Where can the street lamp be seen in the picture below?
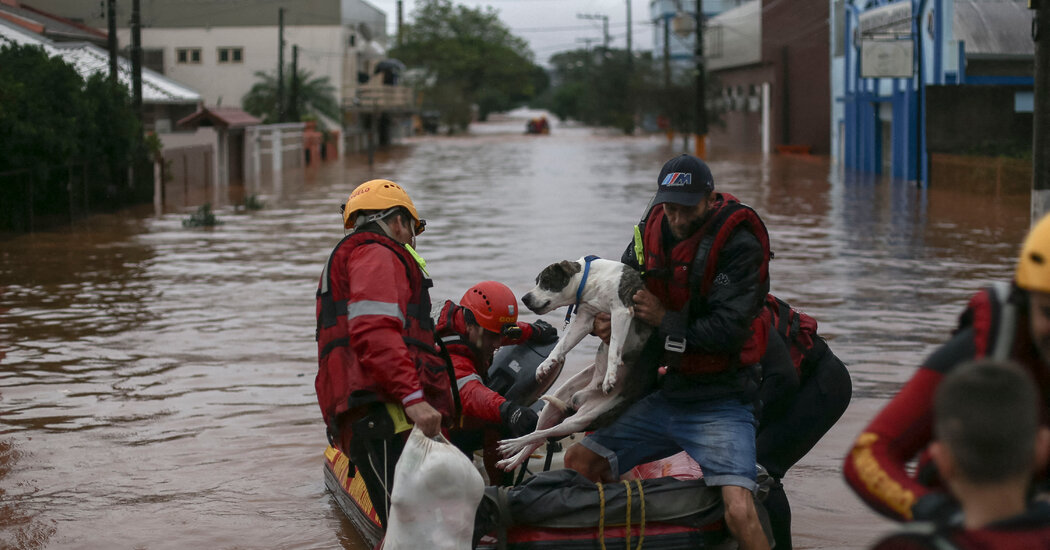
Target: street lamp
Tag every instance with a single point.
(684, 26)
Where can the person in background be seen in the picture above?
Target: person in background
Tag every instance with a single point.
(1003, 321)
(377, 358)
(987, 444)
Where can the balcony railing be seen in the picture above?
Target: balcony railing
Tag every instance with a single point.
(383, 97)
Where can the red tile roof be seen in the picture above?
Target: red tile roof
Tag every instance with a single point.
(223, 117)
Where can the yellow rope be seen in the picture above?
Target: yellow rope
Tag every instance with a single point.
(641, 523)
(627, 484)
(601, 517)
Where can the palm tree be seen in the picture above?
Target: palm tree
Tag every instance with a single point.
(313, 94)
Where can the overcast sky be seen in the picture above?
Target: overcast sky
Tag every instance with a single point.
(551, 26)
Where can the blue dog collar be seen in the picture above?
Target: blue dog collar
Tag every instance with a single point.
(579, 290)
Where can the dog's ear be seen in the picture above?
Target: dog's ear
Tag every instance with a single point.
(571, 268)
(555, 277)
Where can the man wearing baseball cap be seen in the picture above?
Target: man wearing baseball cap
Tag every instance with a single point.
(704, 257)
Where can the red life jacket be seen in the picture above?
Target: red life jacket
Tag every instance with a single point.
(1001, 331)
(692, 264)
(341, 383)
(798, 329)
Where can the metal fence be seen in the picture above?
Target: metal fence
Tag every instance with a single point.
(42, 196)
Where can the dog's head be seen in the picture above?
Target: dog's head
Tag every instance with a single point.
(555, 287)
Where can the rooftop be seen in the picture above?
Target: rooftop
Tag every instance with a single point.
(89, 59)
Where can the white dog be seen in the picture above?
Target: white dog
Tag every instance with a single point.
(599, 392)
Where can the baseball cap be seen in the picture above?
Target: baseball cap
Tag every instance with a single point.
(685, 180)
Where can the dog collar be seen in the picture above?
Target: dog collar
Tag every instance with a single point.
(579, 290)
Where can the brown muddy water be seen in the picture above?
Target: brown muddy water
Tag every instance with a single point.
(156, 382)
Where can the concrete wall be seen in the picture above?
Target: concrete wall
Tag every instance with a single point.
(795, 39)
(967, 119)
(199, 13)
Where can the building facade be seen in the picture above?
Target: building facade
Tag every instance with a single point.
(770, 61)
(217, 47)
(916, 77)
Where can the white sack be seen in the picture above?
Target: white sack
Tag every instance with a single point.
(436, 494)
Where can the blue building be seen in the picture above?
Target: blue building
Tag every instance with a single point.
(912, 77)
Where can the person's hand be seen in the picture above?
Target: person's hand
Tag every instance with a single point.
(648, 308)
(543, 333)
(602, 326)
(426, 417)
(517, 419)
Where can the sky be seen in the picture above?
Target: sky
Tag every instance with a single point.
(551, 26)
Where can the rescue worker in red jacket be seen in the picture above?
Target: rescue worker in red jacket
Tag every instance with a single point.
(987, 445)
(377, 358)
(1001, 322)
(485, 319)
(704, 257)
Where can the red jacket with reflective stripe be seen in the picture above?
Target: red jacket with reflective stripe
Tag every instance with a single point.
(875, 467)
(480, 404)
(380, 345)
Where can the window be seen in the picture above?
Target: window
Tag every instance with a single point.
(231, 55)
(188, 55)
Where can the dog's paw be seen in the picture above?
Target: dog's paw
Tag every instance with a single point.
(545, 369)
(609, 383)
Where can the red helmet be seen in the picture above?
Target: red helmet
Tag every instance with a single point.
(492, 304)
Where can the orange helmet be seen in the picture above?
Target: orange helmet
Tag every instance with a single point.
(493, 305)
(379, 195)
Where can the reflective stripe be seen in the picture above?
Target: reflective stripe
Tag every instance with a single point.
(463, 381)
(419, 259)
(418, 394)
(639, 248)
(372, 307)
(1004, 338)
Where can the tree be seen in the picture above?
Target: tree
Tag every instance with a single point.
(53, 125)
(584, 78)
(469, 58)
(313, 94)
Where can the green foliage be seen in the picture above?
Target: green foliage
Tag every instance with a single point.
(251, 202)
(317, 94)
(55, 129)
(470, 58)
(585, 80)
(203, 217)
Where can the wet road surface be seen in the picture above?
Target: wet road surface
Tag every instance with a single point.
(156, 382)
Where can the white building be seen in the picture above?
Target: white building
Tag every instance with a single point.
(217, 46)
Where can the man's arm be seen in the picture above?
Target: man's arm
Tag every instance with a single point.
(875, 467)
(379, 293)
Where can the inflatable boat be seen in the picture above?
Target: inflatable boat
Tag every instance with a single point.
(666, 505)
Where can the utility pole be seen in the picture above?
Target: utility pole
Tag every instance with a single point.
(700, 137)
(111, 39)
(1041, 110)
(280, 64)
(605, 25)
(667, 53)
(293, 95)
(400, 21)
(629, 57)
(136, 58)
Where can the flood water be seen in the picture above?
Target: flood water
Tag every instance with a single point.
(156, 382)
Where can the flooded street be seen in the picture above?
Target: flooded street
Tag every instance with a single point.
(156, 382)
